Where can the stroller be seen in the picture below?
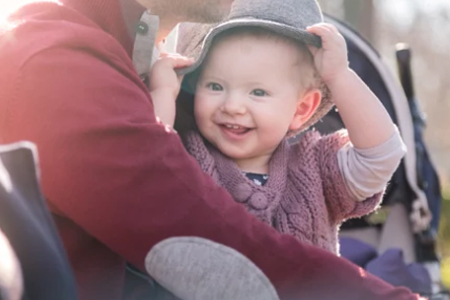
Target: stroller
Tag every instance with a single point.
(409, 217)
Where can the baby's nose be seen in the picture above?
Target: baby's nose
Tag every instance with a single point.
(234, 105)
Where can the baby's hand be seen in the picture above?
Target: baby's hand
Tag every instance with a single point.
(331, 59)
(163, 75)
(165, 85)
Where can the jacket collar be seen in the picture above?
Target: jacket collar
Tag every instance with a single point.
(119, 18)
(129, 22)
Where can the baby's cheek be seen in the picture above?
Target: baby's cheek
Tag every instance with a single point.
(201, 107)
(274, 132)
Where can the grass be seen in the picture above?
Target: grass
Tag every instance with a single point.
(444, 235)
(446, 272)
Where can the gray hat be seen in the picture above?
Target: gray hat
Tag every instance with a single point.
(289, 18)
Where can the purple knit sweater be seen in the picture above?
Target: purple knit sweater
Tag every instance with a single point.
(305, 194)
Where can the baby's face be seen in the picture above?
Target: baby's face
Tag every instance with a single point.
(247, 96)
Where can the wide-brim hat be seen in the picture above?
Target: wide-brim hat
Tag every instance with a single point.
(288, 18)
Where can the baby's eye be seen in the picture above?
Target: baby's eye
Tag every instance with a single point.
(259, 93)
(214, 86)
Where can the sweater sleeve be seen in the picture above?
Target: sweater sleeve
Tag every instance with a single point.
(125, 179)
(341, 203)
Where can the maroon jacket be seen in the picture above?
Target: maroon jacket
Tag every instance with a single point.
(116, 181)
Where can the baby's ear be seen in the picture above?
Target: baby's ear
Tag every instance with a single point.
(306, 107)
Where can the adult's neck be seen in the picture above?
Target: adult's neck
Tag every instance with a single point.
(166, 25)
(167, 18)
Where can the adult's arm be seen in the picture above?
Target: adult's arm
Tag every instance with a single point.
(111, 168)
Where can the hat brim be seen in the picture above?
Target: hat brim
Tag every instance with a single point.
(279, 28)
(282, 29)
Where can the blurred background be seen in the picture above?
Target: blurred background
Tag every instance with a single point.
(425, 26)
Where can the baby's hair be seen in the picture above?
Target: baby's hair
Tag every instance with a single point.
(310, 76)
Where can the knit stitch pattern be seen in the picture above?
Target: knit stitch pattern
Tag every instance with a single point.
(305, 195)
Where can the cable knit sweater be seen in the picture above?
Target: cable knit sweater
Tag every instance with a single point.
(305, 194)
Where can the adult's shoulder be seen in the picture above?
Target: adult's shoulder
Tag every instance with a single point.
(66, 67)
(39, 27)
(53, 52)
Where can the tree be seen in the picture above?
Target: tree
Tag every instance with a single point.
(360, 14)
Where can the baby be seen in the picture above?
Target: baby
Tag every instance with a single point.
(269, 72)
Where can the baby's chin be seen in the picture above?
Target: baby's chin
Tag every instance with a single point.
(232, 152)
(240, 155)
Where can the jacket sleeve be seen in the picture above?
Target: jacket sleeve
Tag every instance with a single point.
(109, 166)
(341, 203)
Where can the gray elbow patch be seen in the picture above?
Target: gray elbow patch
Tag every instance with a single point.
(198, 269)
